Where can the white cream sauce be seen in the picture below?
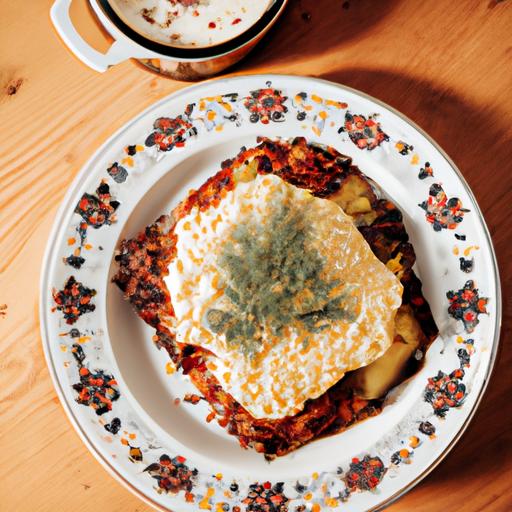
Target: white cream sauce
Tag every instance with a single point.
(190, 24)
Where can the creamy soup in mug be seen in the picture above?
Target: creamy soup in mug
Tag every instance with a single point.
(190, 23)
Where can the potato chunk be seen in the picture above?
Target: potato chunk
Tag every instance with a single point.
(376, 379)
(356, 197)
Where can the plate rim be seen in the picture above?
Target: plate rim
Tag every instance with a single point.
(44, 278)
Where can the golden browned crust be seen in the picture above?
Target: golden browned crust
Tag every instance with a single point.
(143, 263)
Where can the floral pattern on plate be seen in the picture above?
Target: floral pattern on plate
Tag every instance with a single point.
(187, 486)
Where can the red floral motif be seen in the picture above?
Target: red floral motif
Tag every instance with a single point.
(266, 498)
(96, 389)
(442, 212)
(364, 133)
(445, 391)
(365, 474)
(74, 300)
(170, 132)
(97, 210)
(266, 105)
(466, 305)
(172, 474)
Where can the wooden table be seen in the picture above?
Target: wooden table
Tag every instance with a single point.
(447, 65)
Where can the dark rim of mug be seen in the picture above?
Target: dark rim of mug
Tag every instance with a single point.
(193, 53)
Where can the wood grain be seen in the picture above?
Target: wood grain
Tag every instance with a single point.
(447, 65)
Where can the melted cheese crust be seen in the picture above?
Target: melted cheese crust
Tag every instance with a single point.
(269, 370)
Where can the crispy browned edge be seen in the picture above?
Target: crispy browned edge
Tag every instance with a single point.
(143, 263)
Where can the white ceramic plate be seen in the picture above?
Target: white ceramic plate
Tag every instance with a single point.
(119, 390)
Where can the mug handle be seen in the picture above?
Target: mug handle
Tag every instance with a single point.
(59, 15)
